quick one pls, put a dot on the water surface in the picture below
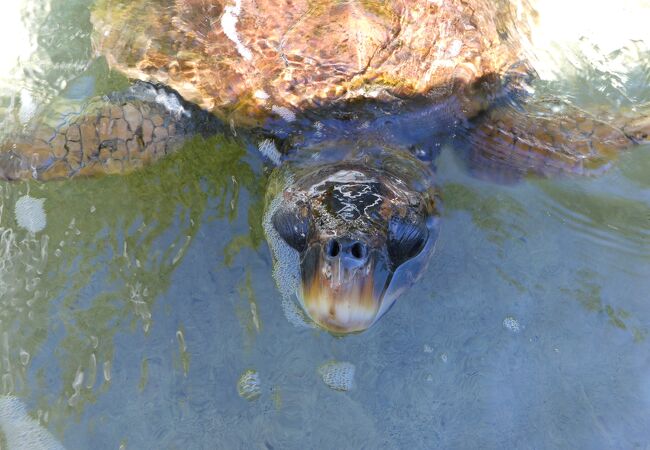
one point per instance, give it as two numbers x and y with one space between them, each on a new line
128 321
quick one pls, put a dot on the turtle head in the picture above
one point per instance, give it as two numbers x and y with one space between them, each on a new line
354 239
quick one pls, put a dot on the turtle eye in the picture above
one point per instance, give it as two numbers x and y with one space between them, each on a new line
292 227
405 240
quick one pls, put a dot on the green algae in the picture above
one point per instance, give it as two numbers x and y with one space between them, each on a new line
129 232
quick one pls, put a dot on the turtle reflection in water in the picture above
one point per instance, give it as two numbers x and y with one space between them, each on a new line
358 96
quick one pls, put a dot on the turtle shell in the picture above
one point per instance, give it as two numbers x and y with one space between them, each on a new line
245 58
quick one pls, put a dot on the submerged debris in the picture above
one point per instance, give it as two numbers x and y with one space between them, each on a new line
337 375
30 213
249 386
511 324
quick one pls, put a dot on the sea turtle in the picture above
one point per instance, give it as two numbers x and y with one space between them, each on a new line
357 95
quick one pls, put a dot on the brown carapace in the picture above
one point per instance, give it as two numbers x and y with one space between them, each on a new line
246 60
240 55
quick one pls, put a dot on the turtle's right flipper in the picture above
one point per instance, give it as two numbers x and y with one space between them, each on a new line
551 137
112 134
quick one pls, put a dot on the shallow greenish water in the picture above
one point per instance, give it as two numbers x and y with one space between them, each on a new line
130 318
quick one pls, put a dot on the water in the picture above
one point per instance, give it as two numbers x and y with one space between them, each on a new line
145 314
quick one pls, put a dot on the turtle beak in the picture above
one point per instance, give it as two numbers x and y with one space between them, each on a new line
343 285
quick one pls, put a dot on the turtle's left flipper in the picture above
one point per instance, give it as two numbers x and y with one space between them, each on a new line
547 138
110 135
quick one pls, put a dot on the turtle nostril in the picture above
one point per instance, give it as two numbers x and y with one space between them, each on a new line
358 250
333 248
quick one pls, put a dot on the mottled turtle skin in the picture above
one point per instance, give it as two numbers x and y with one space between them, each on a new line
357 94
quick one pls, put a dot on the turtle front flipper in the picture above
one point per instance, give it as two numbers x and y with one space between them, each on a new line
111 135
550 137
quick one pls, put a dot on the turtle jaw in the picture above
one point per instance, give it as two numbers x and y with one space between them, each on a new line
341 294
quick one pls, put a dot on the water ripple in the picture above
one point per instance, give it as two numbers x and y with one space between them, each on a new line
615 222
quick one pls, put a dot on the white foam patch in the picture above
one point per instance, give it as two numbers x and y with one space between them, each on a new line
267 148
337 375
20 431
171 104
249 386
286 266
295 315
511 324
229 21
30 213
168 100
284 112
343 177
